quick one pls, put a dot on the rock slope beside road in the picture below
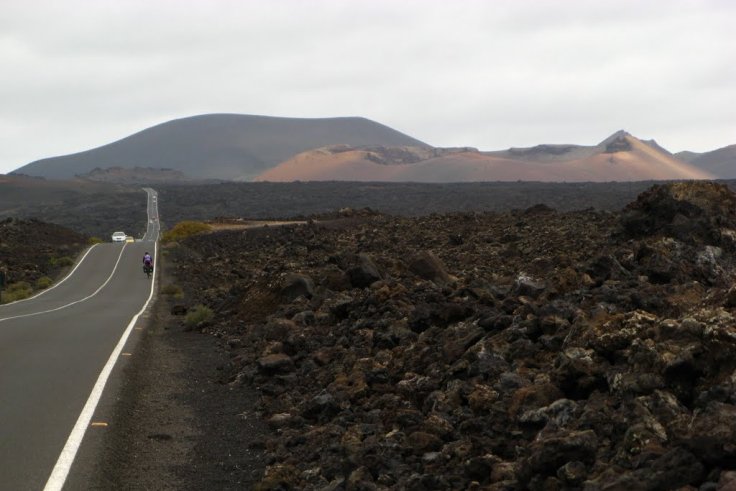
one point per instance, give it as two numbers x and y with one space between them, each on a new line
523 350
31 250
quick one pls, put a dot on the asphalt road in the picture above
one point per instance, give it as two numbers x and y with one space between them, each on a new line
56 351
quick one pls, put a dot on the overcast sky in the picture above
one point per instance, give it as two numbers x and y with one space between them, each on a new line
77 74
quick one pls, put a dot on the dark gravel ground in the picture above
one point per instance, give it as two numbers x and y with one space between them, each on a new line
175 425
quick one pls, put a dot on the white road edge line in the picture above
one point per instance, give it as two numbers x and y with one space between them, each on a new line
69 452
32 314
79 263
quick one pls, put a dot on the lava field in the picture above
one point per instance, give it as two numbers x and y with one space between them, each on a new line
531 349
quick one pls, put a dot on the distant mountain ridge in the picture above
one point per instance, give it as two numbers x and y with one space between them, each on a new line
620 157
235 147
721 162
138 175
221 146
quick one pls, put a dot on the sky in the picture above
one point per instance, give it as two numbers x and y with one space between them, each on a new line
493 74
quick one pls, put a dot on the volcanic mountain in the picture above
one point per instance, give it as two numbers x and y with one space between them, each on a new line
721 162
620 157
221 146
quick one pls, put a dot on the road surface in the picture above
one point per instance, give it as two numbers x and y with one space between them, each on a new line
56 352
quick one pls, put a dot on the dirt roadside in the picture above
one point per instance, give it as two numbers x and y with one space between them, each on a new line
171 423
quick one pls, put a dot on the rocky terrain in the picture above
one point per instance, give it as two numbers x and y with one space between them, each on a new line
287 200
88 207
98 209
136 175
529 349
31 250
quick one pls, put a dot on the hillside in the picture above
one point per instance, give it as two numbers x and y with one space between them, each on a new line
721 162
137 175
33 254
92 208
621 157
19 191
221 146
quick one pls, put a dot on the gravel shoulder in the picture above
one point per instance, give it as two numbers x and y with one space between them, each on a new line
173 424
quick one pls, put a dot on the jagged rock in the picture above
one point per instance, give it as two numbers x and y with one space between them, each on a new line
321 407
428 266
675 469
423 442
365 273
278 476
578 372
557 415
482 398
712 433
277 362
322 356
503 472
335 279
527 286
730 302
480 467
360 480
462 338
690 211
572 473
550 453
603 268
438 425
295 286
533 397
304 318
727 481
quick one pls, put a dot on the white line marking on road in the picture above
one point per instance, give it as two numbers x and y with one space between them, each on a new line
57 284
32 314
69 452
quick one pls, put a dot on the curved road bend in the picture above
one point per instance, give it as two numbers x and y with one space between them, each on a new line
52 350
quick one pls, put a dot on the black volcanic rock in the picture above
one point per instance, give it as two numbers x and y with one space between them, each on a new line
693 212
618 145
296 285
31 249
592 357
364 272
428 266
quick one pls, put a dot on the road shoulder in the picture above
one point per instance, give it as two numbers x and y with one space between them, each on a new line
171 418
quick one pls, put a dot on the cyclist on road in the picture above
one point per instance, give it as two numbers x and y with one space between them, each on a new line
147 259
